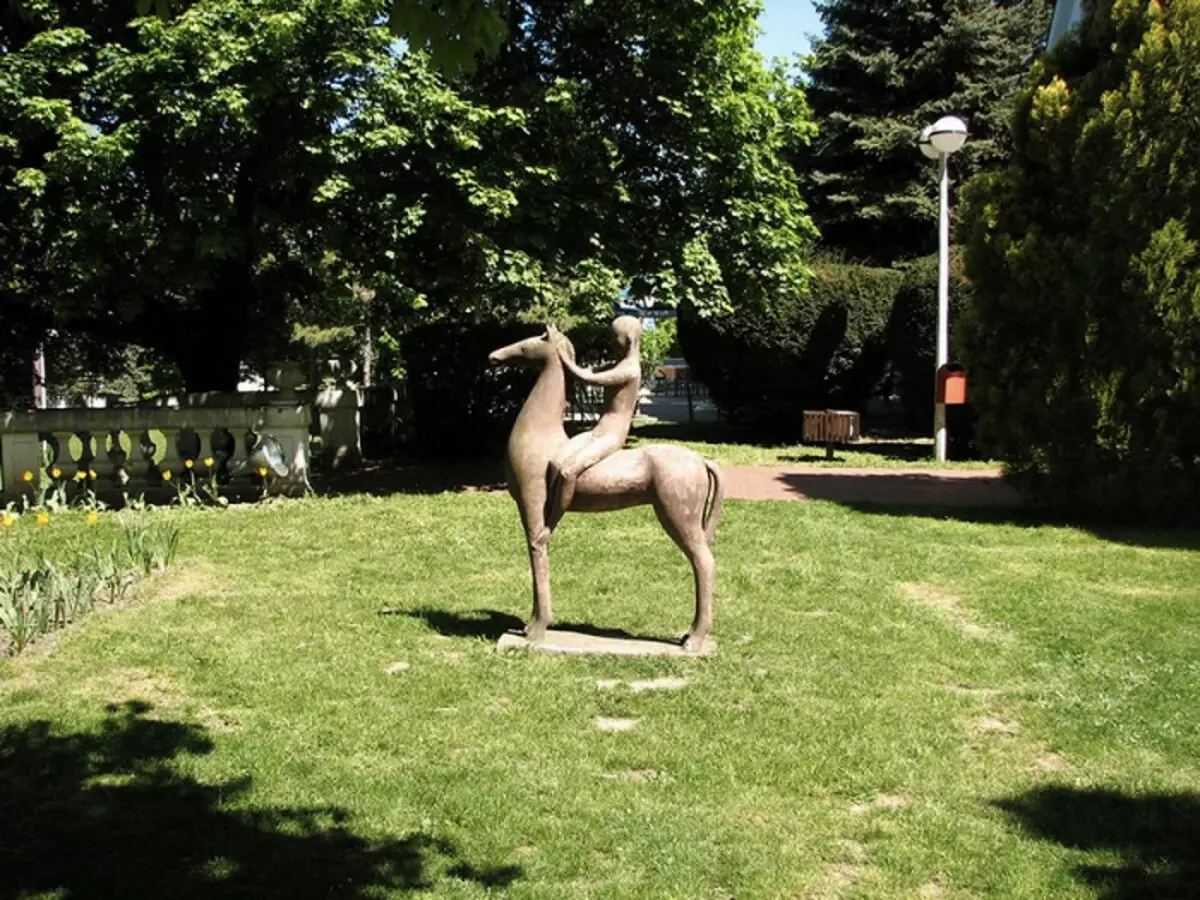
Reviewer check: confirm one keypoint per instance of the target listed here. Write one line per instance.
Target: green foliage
(765, 366)
(881, 73)
(1083, 340)
(48, 581)
(201, 184)
(460, 406)
(912, 334)
(658, 344)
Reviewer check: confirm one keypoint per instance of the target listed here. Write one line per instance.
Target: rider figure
(621, 384)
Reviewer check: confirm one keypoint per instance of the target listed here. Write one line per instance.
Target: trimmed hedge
(861, 332)
(461, 406)
(912, 335)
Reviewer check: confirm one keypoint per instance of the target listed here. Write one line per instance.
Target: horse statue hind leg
(684, 489)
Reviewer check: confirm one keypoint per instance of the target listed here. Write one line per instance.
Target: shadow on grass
(484, 623)
(491, 624)
(413, 477)
(108, 814)
(942, 489)
(1157, 837)
(1161, 538)
(900, 451)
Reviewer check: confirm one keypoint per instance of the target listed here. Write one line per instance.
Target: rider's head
(627, 331)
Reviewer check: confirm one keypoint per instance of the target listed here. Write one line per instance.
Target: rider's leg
(554, 476)
(582, 458)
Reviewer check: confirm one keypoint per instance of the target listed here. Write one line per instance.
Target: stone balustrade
(130, 450)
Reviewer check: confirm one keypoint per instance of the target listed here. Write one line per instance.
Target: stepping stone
(573, 642)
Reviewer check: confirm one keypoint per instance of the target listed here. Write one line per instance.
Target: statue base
(573, 642)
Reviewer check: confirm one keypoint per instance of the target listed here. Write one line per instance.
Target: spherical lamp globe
(948, 134)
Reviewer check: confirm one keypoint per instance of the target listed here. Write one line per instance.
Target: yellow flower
(93, 517)
(187, 463)
(92, 474)
(56, 472)
(208, 462)
(166, 475)
(262, 471)
(80, 475)
(27, 475)
(43, 518)
(7, 521)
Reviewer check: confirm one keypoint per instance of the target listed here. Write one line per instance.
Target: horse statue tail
(716, 495)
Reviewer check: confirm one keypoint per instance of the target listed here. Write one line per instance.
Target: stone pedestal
(573, 642)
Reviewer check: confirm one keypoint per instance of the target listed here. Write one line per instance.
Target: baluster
(118, 446)
(223, 448)
(65, 458)
(87, 456)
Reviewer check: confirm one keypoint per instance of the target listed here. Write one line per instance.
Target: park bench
(831, 427)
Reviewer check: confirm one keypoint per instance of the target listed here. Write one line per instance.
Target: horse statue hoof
(535, 632)
(694, 643)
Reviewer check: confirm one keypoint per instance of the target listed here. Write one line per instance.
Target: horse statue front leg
(537, 538)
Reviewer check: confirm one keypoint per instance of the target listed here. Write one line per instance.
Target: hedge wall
(860, 332)
(461, 406)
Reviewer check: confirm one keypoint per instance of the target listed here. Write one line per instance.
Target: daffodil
(208, 462)
(93, 517)
(43, 518)
(8, 521)
(187, 463)
(92, 474)
(27, 475)
(80, 475)
(56, 472)
(166, 475)
(262, 471)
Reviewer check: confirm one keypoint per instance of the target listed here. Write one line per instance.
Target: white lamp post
(938, 141)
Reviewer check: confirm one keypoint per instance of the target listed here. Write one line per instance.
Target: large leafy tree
(654, 145)
(882, 72)
(1083, 339)
(176, 183)
(202, 182)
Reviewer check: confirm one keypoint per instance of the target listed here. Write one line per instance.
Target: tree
(200, 184)
(179, 184)
(455, 34)
(654, 140)
(882, 72)
(1083, 338)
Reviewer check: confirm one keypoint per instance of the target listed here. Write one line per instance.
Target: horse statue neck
(546, 403)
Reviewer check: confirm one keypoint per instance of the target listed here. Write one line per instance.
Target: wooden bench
(831, 427)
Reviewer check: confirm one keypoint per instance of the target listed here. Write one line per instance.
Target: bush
(912, 335)
(461, 407)
(827, 348)
(1083, 338)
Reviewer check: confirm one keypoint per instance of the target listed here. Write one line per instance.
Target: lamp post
(938, 141)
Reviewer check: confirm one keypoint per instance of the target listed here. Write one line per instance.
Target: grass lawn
(309, 705)
(719, 441)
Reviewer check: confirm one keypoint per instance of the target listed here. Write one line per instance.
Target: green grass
(722, 443)
(900, 706)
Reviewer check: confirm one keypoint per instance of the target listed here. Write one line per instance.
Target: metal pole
(943, 327)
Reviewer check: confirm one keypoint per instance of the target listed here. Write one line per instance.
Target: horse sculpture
(685, 489)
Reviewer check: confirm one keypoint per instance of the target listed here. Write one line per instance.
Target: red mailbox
(951, 384)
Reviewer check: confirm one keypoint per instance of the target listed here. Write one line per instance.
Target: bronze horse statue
(685, 489)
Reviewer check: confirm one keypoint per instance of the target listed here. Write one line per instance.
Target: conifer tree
(885, 69)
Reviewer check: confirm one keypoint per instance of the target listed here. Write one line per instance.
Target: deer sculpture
(685, 489)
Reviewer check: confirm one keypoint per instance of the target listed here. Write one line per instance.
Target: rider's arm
(623, 373)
